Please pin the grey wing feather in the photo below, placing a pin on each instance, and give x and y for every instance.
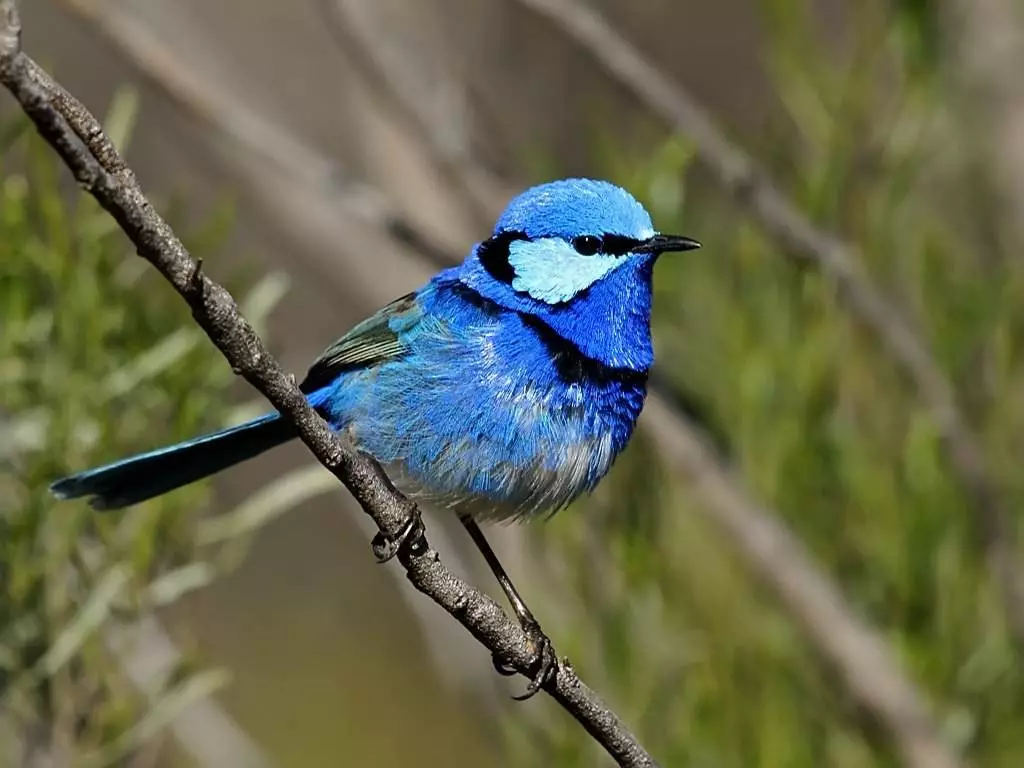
(372, 341)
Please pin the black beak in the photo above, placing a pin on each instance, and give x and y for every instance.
(666, 244)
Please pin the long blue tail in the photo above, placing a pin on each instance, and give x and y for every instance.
(142, 477)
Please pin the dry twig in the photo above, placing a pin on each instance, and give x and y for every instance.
(79, 140)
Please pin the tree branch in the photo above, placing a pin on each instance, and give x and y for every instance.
(80, 141)
(837, 259)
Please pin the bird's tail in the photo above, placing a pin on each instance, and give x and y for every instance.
(147, 475)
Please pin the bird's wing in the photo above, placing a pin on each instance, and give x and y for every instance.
(376, 339)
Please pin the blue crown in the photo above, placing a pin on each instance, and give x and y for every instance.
(572, 207)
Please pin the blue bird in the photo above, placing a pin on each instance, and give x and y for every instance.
(502, 389)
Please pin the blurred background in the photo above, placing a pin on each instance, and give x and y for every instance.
(808, 556)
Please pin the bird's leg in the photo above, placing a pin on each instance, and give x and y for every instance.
(545, 660)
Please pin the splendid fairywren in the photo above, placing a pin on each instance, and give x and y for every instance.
(503, 388)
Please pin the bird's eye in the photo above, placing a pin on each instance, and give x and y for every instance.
(587, 245)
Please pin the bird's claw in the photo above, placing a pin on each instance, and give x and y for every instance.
(412, 536)
(545, 661)
(503, 668)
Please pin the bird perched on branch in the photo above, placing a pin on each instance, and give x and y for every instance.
(502, 389)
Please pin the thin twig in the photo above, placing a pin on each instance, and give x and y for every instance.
(873, 677)
(69, 128)
(837, 259)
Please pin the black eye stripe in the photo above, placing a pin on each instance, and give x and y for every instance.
(493, 254)
(608, 243)
(619, 245)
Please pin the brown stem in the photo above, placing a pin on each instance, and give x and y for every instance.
(80, 141)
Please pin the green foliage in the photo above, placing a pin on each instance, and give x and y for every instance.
(822, 426)
(96, 351)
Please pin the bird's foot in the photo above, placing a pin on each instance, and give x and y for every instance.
(544, 664)
(412, 536)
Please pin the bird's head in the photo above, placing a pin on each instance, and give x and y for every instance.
(556, 240)
(578, 255)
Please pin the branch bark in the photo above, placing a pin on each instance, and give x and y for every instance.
(751, 187)
(80, 141)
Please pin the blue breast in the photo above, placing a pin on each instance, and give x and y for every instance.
(490, 412)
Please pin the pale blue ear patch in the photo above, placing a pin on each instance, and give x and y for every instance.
(550, 269)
